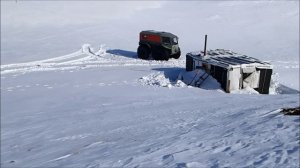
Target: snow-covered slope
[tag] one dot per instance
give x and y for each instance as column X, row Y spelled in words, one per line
column 108, row 110
column 65, row 103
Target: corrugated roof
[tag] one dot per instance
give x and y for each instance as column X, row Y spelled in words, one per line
column 225, row 58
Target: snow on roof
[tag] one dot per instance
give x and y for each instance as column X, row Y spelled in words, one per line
column 226, row 58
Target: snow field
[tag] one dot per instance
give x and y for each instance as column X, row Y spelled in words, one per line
column 101, row 107
column 87, row 58
column 137, row 116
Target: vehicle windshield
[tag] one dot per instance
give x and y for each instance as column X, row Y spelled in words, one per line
column 166, row 40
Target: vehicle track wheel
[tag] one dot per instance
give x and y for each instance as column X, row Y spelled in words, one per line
column 143, row 52
column 177, row 55
column 161, row 54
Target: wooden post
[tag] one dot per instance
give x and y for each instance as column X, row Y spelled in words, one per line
column 205, row 44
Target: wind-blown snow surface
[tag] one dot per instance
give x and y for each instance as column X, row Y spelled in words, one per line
column 107, row 110
column 66, row 106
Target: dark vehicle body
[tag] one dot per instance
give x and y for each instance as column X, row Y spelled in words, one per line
column 160, row 45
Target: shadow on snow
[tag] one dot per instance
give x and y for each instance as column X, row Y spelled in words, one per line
column 170, row 73
column 124, row 53
column 282, row 89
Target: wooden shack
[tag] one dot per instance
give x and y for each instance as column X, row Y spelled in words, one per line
column 232, row 70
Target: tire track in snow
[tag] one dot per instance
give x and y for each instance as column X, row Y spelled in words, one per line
column 75, row 152
column 49, row 61
column 82, row 59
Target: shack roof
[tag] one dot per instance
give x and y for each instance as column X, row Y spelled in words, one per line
column 227, row 59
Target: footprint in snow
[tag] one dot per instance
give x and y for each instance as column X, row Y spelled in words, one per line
column 293, row 150
column 180, row 165
column 200, row 145
column 127, row 161
column 101, row 84
column 10, row 88
column 147, row 150
column 93, row 165
column 262, row 159
column 280, row 125
column 166, row 159
column 278, row 154
column 297, row 120
column 226, row 149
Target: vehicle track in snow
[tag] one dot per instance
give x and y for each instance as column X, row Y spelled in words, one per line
column 82, row 59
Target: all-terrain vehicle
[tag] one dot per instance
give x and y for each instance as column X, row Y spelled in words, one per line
column 159, row 45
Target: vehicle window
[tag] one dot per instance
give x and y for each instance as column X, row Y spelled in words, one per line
column 166, row 40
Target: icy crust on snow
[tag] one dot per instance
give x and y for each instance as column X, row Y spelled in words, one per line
column 247, row 90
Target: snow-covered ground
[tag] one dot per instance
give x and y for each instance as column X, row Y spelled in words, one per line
column 68, row 100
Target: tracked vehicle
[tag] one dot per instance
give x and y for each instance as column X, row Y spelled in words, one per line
column 159, row 45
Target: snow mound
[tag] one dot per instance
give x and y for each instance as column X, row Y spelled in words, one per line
column 102, row 50
column 155, row 79
column 247, row 90
column 184, row 79
column 86, row 48
column 159, row 79
column 277, row 88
